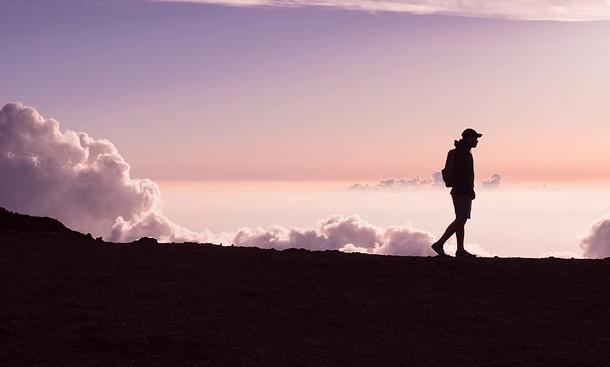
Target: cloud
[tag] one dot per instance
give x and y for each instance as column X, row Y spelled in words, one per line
column 596, row 244
column 436, row 180
column 349, row 234
column 493, row 182
column 417, row 182
column 550, row 10
column 82, row 181
column 155, row 224
column 342, row 233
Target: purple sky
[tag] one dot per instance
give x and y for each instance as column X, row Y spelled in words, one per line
column 199, row 91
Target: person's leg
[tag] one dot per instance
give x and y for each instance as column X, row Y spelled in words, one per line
column 438, row 245
column 448, row 233
column 451, row 229
column 461, row 205
column 459, row 233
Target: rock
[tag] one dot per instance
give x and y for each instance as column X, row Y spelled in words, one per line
column 146, row 241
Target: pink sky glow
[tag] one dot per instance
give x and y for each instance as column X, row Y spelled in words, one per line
column 212, row 92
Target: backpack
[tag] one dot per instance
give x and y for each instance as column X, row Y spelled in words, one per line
column 449, row 172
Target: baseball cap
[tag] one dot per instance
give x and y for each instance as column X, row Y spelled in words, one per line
column 470, row 132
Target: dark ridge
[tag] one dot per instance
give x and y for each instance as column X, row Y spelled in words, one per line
column 22, row 223
column 68, row 300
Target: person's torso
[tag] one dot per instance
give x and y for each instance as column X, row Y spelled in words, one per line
column 465, row 172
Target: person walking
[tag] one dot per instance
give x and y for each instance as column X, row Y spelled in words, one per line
column 459, row 175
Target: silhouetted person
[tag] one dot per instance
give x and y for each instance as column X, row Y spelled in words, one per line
column 459, row 175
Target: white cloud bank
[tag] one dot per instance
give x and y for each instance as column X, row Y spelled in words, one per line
column 342, row 233
column 82, row 181
column 550, row 10
column 349, row 234
column 596, row 244
column 436, row 180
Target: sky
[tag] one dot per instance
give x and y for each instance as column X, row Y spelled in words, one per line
column 319, row 92
column 319, row 124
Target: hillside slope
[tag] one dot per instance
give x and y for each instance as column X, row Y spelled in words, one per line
column 68, row 300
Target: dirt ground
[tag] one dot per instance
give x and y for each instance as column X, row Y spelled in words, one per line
column 68, row 300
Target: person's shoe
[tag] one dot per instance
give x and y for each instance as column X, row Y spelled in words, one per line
column 464, row 253
column 438, row 248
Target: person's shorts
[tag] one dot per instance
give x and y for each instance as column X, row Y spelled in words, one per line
column 462, row 205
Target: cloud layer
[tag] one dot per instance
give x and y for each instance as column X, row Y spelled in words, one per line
column 82, row 181
column 418, row 182
column 349, row 234
column 436, row 180
column 596, row 244
column 551, row 10
column 342, row 233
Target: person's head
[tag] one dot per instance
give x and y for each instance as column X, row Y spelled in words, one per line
column 471, row 137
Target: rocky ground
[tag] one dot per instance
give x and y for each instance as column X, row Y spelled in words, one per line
column 69, row 300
